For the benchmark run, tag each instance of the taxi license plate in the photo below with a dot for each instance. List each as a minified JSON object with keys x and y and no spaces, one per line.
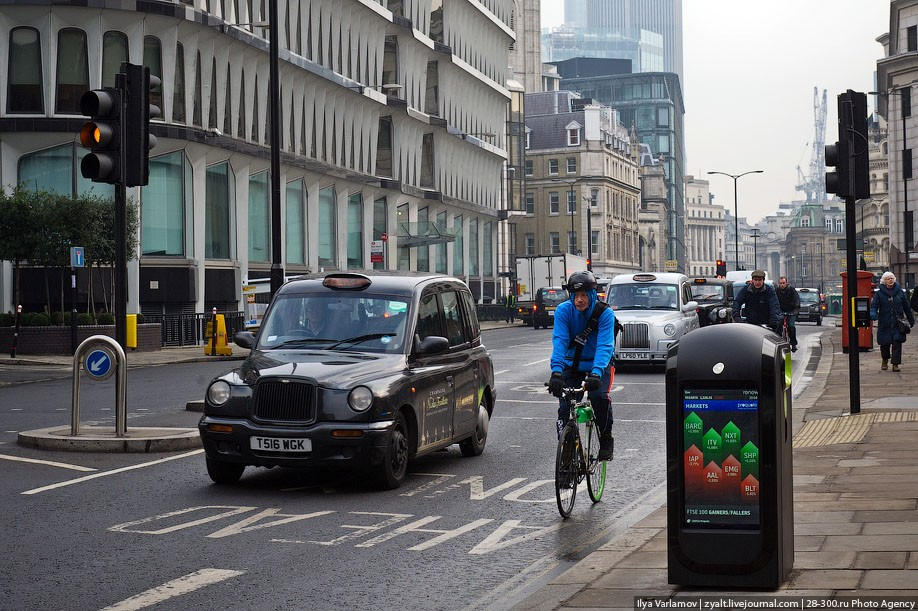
{"x":551,"y":312}
{"x":633,"y":356}
{"x":280,"y":444}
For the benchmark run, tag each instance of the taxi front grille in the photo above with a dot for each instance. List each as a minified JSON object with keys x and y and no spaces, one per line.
{"x":635,"y":335}
{"x":284,"y":401}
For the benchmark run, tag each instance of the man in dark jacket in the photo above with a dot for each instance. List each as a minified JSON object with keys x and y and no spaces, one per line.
{"x":789,"y":300}
{"x":761,"y":302}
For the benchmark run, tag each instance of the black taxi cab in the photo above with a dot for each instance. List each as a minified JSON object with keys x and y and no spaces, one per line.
{"x":361,"y":369}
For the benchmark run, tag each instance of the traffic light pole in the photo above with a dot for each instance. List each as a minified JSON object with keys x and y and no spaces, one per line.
{"x":848,"y":132}
{"x":120,"y":296}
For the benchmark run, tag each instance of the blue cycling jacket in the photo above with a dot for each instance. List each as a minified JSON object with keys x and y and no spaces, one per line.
{"x":568,"y":324}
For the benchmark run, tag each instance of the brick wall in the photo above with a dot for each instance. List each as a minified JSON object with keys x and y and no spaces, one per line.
{"x":56,"y":340}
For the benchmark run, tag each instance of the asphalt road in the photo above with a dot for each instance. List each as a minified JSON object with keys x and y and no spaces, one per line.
{"x":116,"y":531}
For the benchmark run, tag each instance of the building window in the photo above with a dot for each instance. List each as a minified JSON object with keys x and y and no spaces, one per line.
{"x":662,"y":117}
{"x":473,"y":247}
{"x":423,"y":251}
{"x":328,"y":227}
{"x":839,"y":226}
{"x":196,"y":103}
{"x":907,"y":163}
{"x":594,"y":244}
{"x":528,"y":141}
{"x":72,"y":70}
{"x":458,"y":247}
{"x":259,"y":239}
{"x":380,"y":222}
{"x":404,"y":252}
{"x":178,"y":89}
{"x":911,"y":35}
{"x":573,"y":137}
{"x":384,"y":148}
{"x":218,"y":212}
{"x":24,"y":89}
{"x":56,"y":170}
{"x":427,"y":162}
{"x":295,"y":223}
{"x":530,"y":202}
{"x":355,"y":231}
{"x":436,"y":21}
{"x":212,"y":106}
{"x":153,"y":59}
{"x":432,"y":99}
{"x":553,"y":202}
{"x":572,"y":202}
{"x":553,"y":167}
{"x":571,"y":165}
{"x":114,"y":52}
{"x":529,"y":244}
{"x":487,"y":257}
{"x":571,"y":242}
{"x":594,"y":198}
{"x":906,"y":94}
{"x":554,"y":242}
{"x":390,"y":61}
{"x":162,"y":230}
{"x":828,"y":225}
{"x":440,"y":249}
{"x":527,"y":167}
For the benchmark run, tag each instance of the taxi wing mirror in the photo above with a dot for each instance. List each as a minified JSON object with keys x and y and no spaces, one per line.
{"x":432,"y":344}
{"x":691,"y":306}
{"x":244,"y":339}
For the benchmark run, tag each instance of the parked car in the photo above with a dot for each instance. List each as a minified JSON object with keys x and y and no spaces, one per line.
{"x":715,"y":300}
{"x":546,"y":302}
{"x":811,"y":306}
{"x":655,"y":310}
{"x":396,"y":370}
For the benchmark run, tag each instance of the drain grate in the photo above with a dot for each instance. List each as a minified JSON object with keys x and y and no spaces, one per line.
{"x":845,"y":429}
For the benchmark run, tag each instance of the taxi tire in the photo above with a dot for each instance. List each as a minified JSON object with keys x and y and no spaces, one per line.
{"x":391,"y":472}
{"x":224,"y":472}
{"x":474,"y":445}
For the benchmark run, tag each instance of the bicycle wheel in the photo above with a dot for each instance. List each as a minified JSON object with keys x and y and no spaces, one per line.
{"x":596,"y":469}
{"x":566,"y":470}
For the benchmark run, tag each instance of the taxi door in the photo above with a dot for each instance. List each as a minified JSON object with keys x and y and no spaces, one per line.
{"x":433,"y":377}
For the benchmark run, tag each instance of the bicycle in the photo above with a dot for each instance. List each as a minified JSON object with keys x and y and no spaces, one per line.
{"x":784,"y":334}
{"x":575,"y":461}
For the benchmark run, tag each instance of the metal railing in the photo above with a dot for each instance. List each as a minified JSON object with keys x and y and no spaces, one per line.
{"x":189,"y":329}
{"x":491,"y":312}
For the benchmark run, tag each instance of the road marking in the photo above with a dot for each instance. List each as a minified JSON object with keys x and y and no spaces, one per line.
{"x":176,"y":587}
{"x":80,"y":480}
{"x":46,"y":462}
{"x":497,"y":373}
{"x":536,"y":362}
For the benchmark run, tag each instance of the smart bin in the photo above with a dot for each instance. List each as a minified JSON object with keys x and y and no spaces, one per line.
{"x":730,"y":498}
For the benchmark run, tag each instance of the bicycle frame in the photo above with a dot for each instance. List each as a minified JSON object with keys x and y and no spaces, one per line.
{"x":576,"y":460}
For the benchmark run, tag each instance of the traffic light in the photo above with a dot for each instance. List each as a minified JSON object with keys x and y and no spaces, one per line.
{"x":102,"y":135}
{"x":137,"y":138}
{"x":849,"y":155}
{"x":721,"y":268}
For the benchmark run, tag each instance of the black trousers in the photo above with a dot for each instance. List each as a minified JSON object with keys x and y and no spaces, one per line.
{"x":895,"y":348}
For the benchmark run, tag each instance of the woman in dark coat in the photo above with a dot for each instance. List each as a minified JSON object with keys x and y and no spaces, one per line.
{"x":889,"y":304}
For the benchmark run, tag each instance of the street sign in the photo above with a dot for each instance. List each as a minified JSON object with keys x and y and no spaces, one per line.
{"x":671,"y":265}
{"x":99,"y":364}
{"x":77,"y":256}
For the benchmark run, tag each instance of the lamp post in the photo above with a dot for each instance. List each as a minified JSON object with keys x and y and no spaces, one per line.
{"x":588,"y":206}
{"x":572,"y":209}
{"x":277,"y":265}
{"x":735,"y":178}
{"x":755,"y":248}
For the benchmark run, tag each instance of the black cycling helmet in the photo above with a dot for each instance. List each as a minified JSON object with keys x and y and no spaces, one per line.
{"x":581,"y":281}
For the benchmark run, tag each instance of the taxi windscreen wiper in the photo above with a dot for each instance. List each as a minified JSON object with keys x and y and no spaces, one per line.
{"x":361,"y":338}
{"x":303,"y":341}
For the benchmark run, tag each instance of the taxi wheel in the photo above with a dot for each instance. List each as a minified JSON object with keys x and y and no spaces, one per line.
{"x":391,"y":473}
{"x":474,"y":445}
{"x":224,"y":472}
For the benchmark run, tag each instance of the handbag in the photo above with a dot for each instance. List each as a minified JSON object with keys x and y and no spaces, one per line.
{"x":904,"y":327}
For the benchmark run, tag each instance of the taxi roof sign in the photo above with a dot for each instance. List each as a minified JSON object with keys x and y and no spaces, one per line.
{"x":644,"y":277}
{"x":349,"y":282}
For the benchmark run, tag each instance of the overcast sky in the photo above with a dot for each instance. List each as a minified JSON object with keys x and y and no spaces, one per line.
{"x":750,"y":70}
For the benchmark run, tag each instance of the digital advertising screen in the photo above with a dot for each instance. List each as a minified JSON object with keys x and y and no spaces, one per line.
{"x":720,"y":453}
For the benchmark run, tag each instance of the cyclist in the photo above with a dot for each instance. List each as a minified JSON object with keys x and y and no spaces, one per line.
{"x":789,"y":300}
{"x":583,"y":346}
{"x":762,"y":307}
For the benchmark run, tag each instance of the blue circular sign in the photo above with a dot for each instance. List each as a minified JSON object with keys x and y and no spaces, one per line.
{"x":99,"y":364}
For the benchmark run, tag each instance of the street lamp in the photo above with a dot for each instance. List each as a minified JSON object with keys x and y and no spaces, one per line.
{"x":755,"y":248}
{"x":277,"y":265}
{"x":735,"y":178}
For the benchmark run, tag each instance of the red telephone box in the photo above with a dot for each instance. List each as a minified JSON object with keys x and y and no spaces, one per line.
{"x":864,"y":289}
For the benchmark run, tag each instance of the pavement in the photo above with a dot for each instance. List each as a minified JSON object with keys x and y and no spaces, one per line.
{"x":855,"y":497}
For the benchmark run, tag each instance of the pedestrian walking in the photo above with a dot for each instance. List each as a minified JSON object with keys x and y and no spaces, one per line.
{"x":889,"y":307}
{"x":509,"y":307}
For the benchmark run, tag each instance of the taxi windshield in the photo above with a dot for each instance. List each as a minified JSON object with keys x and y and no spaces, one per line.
{"x":643,"y":296}
{"x":335,"y":321}
{"x":708,"y":293}
{"x":553,"y":296}
{"x":808,"y":297}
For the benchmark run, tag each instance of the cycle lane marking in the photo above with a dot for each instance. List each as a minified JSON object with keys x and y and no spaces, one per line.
{"x":49,"y":463}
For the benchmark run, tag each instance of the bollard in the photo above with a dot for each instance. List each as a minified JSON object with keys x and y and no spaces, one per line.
{"x":213,"y":336}
{"x":16,"y":331}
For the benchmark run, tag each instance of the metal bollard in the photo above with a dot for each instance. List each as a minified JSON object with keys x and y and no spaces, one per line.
{"x":16,"y":331}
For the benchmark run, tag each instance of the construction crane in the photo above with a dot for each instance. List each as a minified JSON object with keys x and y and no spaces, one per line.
{"x":814,"y":184}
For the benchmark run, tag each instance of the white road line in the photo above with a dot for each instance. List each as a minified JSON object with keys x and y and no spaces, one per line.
{"x":497,"y":373}
{"x":537,"y":362}
{"x":80,"y":480}
{"x":46,"y":462}
{"x":176,"y":587}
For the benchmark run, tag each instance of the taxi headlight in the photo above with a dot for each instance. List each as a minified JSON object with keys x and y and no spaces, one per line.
{"x":669,"y":329}
{"x":218,"y":393}
{"x":360,"y":399}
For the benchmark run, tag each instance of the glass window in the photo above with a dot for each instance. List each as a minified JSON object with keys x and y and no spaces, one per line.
{"x":571,"y":165}
{"x":572,"y":202}
{"x":380,"y":210}
{"x":662,"y":117}
{"x":55,"y":170}
{"x":427,"y":162}
{"x":404,"y":252}
{"x":529,"y":241}
{"x":178,"y":90}
{"x":295,"y":222}
{"x":440,"y":249}
{"x":573,"y":137}
{"x":487,"y":256}
{"x":24,"y":90}
{"x":452,"y":317}
{"x":259,"y":239}
{"x":428,"y":317}
{"x":436,"y":21}
{"x":911,"y":38}
{"x":527,"y":167}
{"x":553,"y":202}
{"x":153,"y":59}
{"x":114,"y":52}
{"x":473,"y":247}
{"x":162,"y":230}
{"x":384,"y":148}
{"x":423,"y":249}
{"x":240,"y":123}
{"x":458,"y":247}
{"x":432,"y":99}
{"x":390,"y":60}
{"x":554,"y":242}
{"x":196,"y":107}
{"x":218,"y":212}
{"x":552,"y":166}
{"x":355,"y":231}
{"x":212,"y":112}
{"x":907,"y":163}
{"x":571,"y":242}
{"x":530,"y":202}
{"x":328,"y":227}
{"x":72,"y":70}
{"x":839,"y":226}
